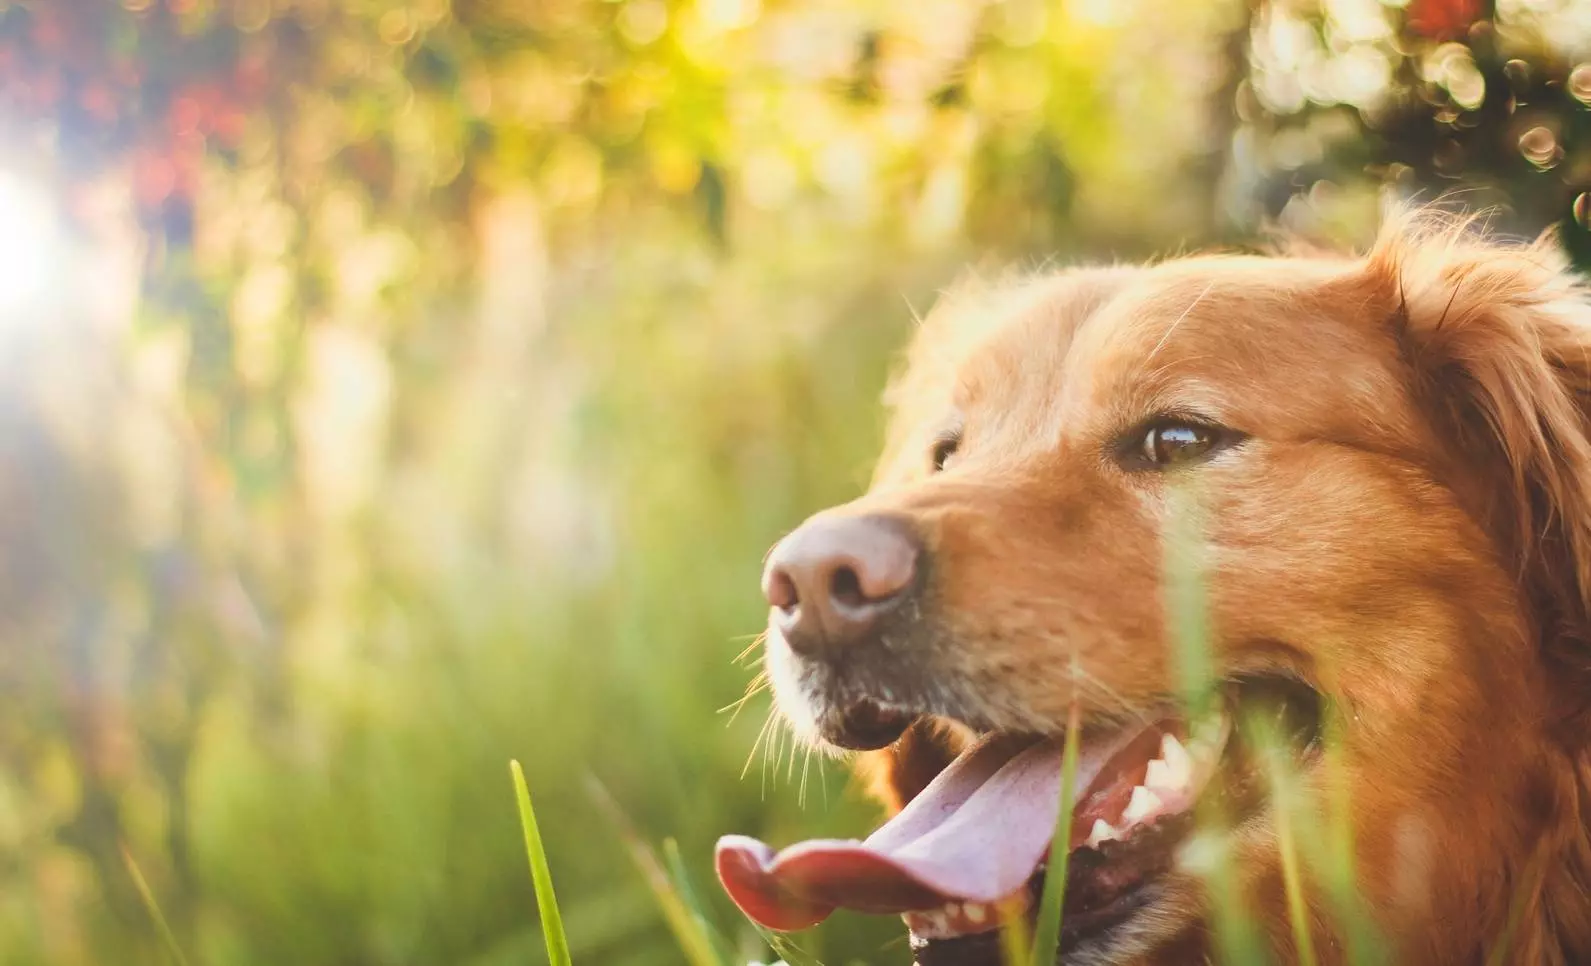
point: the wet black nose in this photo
(832, 581)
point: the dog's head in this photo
(1213, 512)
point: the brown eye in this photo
(1172, 443)
(944, 448)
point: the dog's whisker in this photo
(783, 743)
(1084, 680)
(757, 641)
(1178, 321)
(806, 766)
(823, 781)
(754, 687)
(758, 683)
(916, 316)
(789, 775)
(773, 754)
(762, 735)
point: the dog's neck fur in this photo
(1542, 902)
(1553, 882)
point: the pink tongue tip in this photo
(975, 834)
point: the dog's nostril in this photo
(845, 587)
(833, 579)
(781, 591)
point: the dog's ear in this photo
(895, 775)
(1499, 339)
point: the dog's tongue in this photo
(975, 834)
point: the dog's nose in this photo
(834, 578)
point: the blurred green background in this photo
(389, 389)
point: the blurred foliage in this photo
(1486, 99)
(416, 385)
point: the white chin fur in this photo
(789, 695)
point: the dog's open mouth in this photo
(972, 848)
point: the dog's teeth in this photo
(1143, 805)
(1174, 755)
(1172, 774)
(1102, 831)
(976, 913)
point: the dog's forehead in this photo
(1206, 335)
(982, 346)
(1209, 309)
(1029, 345)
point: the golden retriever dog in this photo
(1373, 472)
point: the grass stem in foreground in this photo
(1047, 935)
(1338, 859)
(1187, 619)
(688, 926)
(159, 918)
(1282, 793)
(693, 904)
(540, 874)
(1015, 943)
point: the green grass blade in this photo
(1188, 624)
(1015, 943)
(148, 896)
(540, 874)
(693, 904)
(1297, 912)
(690, 930)
(1047, 935)
(1286, 800)
(1186, 612)
(1364, 944)
(785, 949)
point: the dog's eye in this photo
(945, 447)
(1174, 442)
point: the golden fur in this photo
(1407, 528)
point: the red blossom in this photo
(1443, 19)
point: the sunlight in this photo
(30, 244)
